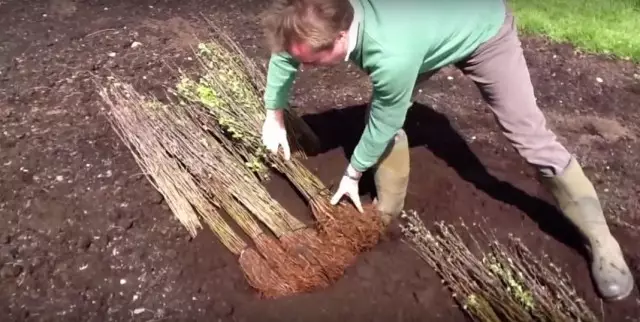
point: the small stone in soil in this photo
(5, 239)
(84, 242)
(127, 224)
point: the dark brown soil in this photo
(84, 236)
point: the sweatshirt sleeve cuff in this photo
(359, 165)
(276, 104)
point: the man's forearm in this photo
(393, 81)
(280, 76)
(376, 136)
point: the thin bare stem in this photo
(129, 116)
(504, 283)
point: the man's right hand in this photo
(274, 133)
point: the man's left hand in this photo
(349, 187)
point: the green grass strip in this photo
(596, 26)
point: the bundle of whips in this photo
(229, 90)
(505, 283)
(200, 179)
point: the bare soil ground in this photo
(84, 236)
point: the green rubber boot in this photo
(391, 176)
(577, 199)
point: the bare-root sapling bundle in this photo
(242, 197)
(228, 93)
(175, 128)
(328, 252)
(132, 117)
(507, 282)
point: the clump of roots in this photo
(262, 277)
(302, 274)
(332, 257)
(344, 225)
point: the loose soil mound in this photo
(85, 237)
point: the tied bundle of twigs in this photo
(319, 258)
(508, 283)
(200, 179)
(230, 88)
(130, 116)
(324, 252)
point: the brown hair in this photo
(315, 22)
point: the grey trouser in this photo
(499, 69)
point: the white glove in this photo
(274, 133)
(349, 187)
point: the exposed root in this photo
(347, 227)
(267, 282)
(297, 271)
(332, 257)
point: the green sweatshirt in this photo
(396, 43)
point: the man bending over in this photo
(399, 44)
